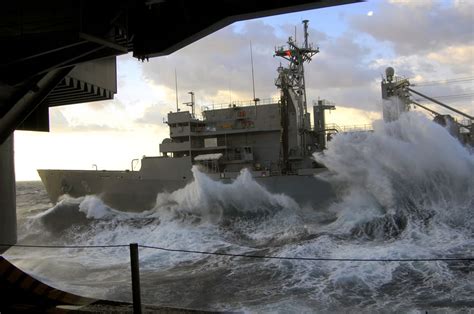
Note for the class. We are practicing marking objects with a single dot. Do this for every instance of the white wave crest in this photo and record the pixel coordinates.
(409, 165)
(213, 200)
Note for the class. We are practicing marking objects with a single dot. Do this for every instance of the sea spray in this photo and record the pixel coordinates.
(212, 200)
(405, 191)
(408, 170)
(204, 203)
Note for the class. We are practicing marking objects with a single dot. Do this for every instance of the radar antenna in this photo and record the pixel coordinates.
(191, 103)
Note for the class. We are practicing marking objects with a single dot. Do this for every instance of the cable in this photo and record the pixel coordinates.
(456, 95)
(448, 81)
(314, 258)
(65, 246)
(453, 96)
(438, 259)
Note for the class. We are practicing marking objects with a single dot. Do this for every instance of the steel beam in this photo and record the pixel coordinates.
(8, 233)
(441, 104)
(424, 107)
(29, 101)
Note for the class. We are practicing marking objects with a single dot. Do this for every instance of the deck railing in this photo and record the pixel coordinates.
(240, 103)
(349, 128)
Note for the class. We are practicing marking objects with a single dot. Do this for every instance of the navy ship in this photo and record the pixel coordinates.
(273, 139)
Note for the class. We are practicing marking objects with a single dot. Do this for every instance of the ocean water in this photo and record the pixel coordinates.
(404, 191)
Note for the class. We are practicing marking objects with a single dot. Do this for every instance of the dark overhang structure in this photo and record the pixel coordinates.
(56, 52)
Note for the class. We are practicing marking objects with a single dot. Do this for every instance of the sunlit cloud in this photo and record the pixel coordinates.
(458, 58)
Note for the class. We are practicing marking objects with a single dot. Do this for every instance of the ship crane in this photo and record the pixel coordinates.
(441, 104)
(394, 87)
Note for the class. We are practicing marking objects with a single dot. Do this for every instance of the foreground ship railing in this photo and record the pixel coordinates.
(135, 272)
(349, 128)
(240, 103)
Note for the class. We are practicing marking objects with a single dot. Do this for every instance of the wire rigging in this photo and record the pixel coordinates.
(433, 259)
(442, 82)
(453, 96)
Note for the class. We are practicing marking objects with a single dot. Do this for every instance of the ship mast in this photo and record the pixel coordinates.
(294, 73)
(291, 82)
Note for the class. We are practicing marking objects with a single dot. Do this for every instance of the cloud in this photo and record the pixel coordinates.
(220, 62)
(413, 4)
(105, 104)
(414, 27)
(412, 36)
(153, 115)
(352, 117)
(217, 68)
(340, 64)
(459, 58)
(59, 123)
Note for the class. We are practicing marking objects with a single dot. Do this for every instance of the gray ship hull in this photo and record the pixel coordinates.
(132, 191)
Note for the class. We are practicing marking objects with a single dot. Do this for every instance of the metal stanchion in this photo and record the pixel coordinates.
(135, 268)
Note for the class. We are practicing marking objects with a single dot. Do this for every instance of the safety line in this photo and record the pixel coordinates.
(435, 259)
(313, 258)
(66, 246)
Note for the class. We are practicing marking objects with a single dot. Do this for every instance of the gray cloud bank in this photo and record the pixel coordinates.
(431, 39)
(346, 71)
(414, 27)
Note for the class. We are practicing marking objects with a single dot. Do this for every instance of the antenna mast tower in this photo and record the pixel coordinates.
(291, 82)
(293, 75)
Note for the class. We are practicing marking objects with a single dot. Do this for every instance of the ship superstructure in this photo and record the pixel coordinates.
(227, 138)
(270, 135)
